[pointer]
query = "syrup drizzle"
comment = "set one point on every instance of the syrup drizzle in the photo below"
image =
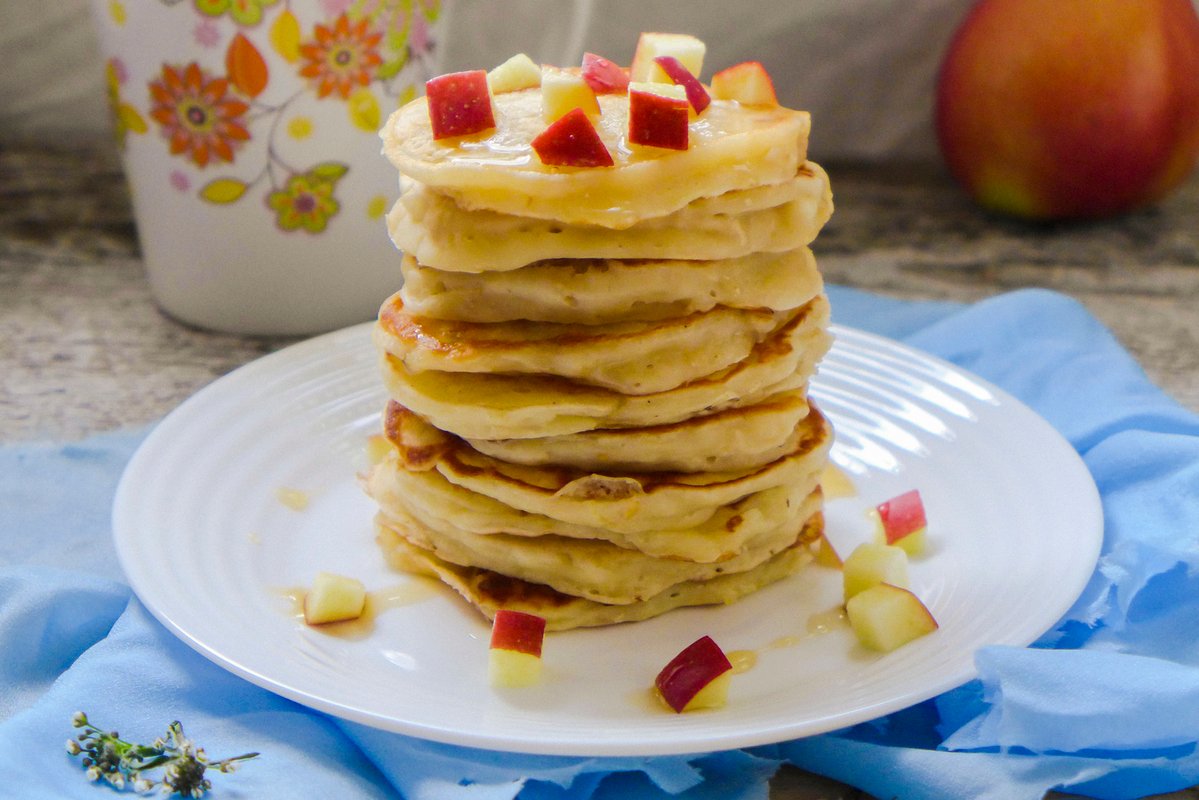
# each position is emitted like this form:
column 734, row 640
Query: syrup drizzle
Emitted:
column 377, row 602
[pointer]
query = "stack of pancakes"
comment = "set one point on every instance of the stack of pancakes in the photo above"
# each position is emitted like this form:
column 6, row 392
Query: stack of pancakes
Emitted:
column 599, row 375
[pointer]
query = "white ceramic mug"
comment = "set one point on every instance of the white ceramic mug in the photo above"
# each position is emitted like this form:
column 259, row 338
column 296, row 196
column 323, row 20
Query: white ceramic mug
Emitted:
column 249, row 137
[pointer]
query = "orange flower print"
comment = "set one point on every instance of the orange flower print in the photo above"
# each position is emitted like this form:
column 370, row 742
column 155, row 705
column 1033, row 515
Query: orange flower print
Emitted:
column 197, row 114
column 341, row 56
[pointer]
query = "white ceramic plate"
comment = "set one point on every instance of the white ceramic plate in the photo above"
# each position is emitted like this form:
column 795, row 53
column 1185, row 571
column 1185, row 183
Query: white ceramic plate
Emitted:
column 212, row 551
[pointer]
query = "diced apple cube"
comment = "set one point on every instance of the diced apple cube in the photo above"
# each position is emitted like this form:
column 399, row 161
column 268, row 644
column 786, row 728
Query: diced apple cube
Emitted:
column 603, row 76
column 902, row 522
column 698, row 677
column 885, row 617
column 508, row 669
column 748, row 83
column 687, row 49
column 518, row 72
column 562, row 91
column 658, row 115
column 517, row 631
column 572, row 141
column 334, row 598
column 459, row 104
column 871, row 564
column 697, row 95
column 714, row 695
column 514, row 659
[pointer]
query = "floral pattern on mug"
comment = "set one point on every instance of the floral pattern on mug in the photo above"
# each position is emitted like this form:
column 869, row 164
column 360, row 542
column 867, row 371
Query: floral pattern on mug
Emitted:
column 200, row 118
column 208, row 117
column 125, row 118
column 307, row 200
column 243, row 12
column 341, row 56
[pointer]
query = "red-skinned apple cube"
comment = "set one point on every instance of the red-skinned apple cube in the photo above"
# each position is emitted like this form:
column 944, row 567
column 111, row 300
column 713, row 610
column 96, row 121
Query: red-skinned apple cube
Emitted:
column 699, row 665
column 748, row 83
column 904, row 522
column 517, row 631
column 572, row 141
column 697, row 95
column 514, row 659
column 459, row 104
column 658, row 115
column 603, row 76
column 885, row 617
column 686, row 48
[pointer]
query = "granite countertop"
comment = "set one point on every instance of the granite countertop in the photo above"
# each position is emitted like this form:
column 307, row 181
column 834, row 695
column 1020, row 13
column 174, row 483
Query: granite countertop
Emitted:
column 83, row 349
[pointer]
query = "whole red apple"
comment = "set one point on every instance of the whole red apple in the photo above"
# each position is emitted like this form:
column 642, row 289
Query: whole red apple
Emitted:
column 1050, row 109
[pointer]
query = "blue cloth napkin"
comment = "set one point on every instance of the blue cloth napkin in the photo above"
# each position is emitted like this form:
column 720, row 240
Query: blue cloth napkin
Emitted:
column 1106, row 704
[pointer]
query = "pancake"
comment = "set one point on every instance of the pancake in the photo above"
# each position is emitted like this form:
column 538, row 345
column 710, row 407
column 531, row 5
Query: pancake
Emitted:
column 743, row 437
column 427, row 496
column 598, row 375
column 490, row 406
column 490, row 591
column 600, row 291
column 634, row 358
column 596, row 570
column 732, row 147
column 441, row 234
column 625, row 502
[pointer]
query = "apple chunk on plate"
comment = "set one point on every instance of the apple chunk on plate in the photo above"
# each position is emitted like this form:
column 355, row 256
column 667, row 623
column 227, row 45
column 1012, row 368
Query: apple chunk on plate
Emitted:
column 698, row 677
column 334, row 598
column 885, row 617
column 872, row 563
column 514, row 659
column 903, row 522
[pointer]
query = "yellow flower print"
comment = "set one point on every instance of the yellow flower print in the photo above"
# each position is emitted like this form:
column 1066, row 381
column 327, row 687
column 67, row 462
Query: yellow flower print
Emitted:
column 125, row 117
column 116, row 10
column 299, row 128
column 377, row 207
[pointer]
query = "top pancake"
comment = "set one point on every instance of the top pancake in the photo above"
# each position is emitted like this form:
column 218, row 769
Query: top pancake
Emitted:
column 731, row 147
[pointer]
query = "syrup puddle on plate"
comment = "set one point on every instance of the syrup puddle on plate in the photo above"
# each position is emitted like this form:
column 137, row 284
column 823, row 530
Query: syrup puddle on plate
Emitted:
column 378, row 601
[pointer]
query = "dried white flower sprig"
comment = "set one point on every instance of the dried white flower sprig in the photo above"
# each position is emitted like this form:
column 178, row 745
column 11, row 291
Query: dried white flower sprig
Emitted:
column 123, row 764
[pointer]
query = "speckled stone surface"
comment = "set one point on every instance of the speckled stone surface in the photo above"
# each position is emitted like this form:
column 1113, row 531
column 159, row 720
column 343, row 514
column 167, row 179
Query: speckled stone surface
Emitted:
column 84, row 350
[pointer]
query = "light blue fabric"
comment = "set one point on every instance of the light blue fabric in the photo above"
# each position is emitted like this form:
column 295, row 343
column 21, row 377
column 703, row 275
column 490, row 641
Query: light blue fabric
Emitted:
column 1106, row 704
